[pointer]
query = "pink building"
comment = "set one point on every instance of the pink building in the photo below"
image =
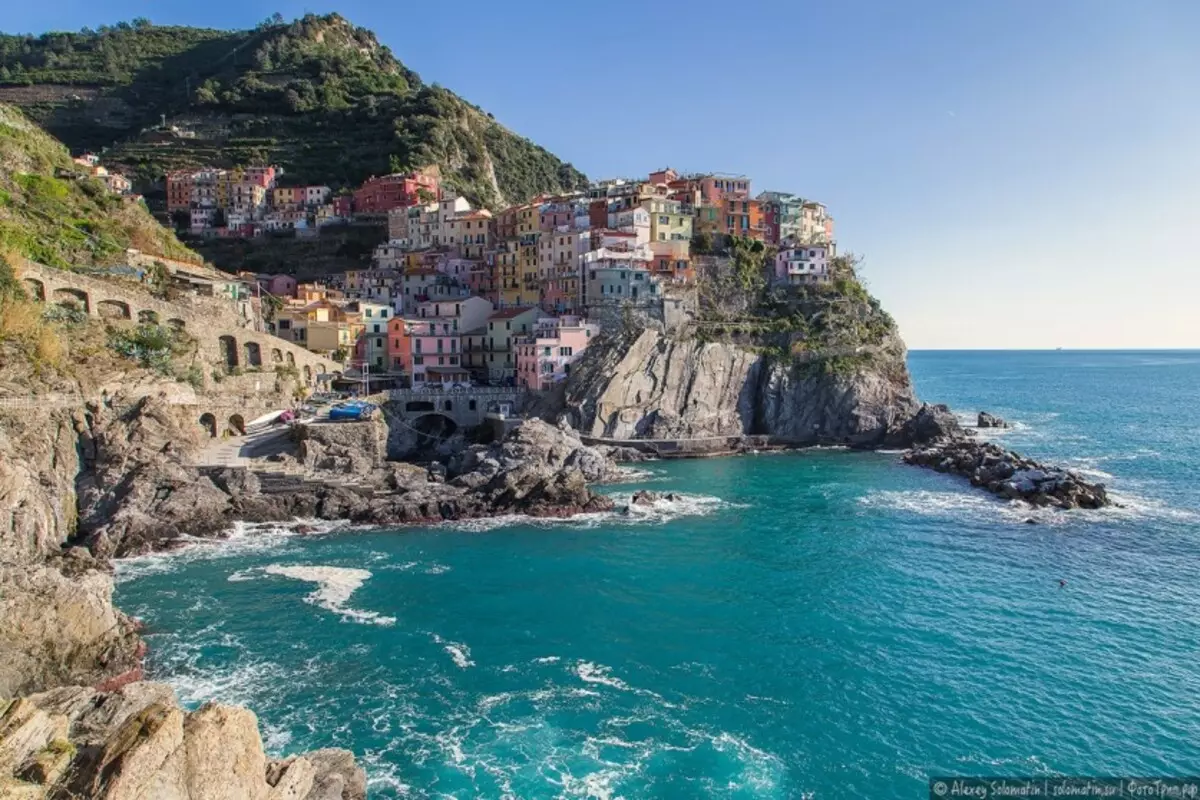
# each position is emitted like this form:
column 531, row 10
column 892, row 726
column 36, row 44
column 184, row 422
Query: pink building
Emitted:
column 278, row 285
column 436, row 351
column 717, row 188
column 545, row 357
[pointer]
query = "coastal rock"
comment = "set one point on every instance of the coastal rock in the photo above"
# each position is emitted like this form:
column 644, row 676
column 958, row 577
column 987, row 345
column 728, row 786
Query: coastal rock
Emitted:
column 58, row 630
column 138, row 743
column 986, row 420
column 654, row 385
column 645, row 497
column 1008, row 474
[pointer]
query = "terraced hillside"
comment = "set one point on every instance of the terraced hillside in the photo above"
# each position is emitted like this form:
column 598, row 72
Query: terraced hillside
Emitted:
column 319, row 96
column 52, row 212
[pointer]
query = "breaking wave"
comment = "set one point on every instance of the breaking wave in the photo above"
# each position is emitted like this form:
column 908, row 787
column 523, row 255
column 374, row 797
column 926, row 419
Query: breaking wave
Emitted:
column 243, row 538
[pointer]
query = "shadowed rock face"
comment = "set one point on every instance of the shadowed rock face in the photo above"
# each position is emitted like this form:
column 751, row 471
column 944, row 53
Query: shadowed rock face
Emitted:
column 655, row 386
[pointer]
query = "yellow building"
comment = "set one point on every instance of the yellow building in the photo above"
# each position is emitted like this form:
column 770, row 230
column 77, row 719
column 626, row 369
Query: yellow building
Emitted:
column 508, row 273
column 527, row 271
column 668, row 223
column 285, row 196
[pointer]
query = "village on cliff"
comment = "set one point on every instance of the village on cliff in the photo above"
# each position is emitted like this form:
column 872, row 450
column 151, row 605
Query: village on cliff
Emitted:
column 461, row 296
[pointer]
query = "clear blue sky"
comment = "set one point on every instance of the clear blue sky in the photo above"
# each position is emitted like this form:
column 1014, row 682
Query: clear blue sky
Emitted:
column 1016, row 173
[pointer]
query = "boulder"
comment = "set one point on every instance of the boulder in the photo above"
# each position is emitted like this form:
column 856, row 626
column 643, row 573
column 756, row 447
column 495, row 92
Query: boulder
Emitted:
column 986, row 420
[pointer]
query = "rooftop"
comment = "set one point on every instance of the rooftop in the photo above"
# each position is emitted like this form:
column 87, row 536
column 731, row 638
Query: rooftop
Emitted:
column 509, row 313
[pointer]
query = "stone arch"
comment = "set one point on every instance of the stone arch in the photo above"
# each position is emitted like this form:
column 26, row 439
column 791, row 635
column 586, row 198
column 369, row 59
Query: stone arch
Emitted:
column 447, row 406
column 237, row 425
column 177, row 324
column 307, row 374
column 291, row 359
column 35, row 289
column 435, row 426
column 253, row 354
column 320, row 369
column 276, row 355
column 113, row 309
column 66, row 296
column 229, row 350
column 209, row 423
column 150, row 317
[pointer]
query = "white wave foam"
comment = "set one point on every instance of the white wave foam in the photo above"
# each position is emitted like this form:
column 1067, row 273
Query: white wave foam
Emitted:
column 639, row 475
column 459, row 653
column 595, row 673
column 239, row 540
column 547, row 660
column 658, row 512
column 334, row 587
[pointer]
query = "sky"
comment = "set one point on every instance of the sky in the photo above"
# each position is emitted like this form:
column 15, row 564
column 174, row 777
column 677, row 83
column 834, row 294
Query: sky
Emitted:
column 1014, row 173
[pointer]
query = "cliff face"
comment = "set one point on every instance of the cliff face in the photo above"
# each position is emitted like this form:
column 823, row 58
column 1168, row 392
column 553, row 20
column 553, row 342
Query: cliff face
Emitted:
column 654, row 385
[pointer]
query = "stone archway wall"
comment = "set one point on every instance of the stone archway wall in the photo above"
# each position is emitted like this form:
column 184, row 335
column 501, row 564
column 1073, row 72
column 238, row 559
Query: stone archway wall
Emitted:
column 207, row 319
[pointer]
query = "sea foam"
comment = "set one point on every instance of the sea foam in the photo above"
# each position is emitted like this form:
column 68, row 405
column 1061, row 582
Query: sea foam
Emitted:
column 335, row 585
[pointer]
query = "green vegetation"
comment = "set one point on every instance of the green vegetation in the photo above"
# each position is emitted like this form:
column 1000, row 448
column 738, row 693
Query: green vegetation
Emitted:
column 832, row 328
column 152, row 346
column 318, row 95
column 51, row 212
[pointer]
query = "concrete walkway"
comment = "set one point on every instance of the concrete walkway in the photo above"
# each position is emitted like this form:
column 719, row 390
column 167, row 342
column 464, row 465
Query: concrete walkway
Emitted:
column 238, row 451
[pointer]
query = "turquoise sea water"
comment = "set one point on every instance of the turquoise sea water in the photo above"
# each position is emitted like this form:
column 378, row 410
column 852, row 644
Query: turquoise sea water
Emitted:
column 825, row 622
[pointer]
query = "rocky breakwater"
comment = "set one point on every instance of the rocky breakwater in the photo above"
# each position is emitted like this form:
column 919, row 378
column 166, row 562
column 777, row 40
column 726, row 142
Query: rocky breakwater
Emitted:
column 650, row 384
column 943, row 445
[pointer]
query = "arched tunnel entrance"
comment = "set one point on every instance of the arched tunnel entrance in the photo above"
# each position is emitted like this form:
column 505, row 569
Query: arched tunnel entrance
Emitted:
column 433, row 428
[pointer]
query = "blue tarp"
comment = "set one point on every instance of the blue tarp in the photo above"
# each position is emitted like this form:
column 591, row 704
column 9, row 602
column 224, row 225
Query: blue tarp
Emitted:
column 351, row 410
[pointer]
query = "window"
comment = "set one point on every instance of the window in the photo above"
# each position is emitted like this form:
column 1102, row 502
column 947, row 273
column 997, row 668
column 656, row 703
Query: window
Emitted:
column 379, row 342
column 441, row 361
column 419, row 360
column 564, row 351
column 418, row 346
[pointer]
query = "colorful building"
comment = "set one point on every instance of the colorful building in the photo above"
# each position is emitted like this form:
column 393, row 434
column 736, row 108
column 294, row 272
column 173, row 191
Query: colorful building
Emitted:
column 502, row 327
column 668, row 223
column 380, row 195
column 435, row 343
column 803, row 264
column 545, row 356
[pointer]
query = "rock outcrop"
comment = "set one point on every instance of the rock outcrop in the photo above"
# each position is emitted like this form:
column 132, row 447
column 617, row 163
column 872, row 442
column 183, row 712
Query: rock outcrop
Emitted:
column 75, row 720
column 986, row 420
column 654, row 385
column 139, row 497
column 136, row 742
column 943, row 445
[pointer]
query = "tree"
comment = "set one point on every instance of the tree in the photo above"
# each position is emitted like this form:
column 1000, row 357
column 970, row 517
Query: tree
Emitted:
column 141, row 23
column 181, row 218
column 702, row 242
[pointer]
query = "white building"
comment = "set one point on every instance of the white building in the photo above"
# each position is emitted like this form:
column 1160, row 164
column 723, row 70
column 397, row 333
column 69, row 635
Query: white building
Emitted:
column 800, row 264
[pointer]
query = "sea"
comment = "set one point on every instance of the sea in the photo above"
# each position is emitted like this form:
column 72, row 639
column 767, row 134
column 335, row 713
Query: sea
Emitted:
column 822, row 624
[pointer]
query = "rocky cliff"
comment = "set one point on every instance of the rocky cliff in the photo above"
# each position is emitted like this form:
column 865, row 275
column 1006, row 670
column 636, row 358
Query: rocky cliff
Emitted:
column 655, row 385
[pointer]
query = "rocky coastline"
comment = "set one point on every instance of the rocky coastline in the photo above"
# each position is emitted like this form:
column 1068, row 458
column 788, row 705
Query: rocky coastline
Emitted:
column 942, row 444
column 102, row 482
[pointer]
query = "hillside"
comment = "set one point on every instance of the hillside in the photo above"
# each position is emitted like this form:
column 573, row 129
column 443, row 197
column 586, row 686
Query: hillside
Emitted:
column 319, row 96
column 52, row 212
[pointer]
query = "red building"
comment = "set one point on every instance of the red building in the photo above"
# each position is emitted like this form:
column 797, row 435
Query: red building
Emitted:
column 343, row 205
column 380, row 195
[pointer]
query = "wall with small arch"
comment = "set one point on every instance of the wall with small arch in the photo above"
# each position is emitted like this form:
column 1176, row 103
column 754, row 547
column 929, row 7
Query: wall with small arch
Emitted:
column 221, row 333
